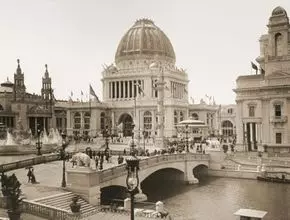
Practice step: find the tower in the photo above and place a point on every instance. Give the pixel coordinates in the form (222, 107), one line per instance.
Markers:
(46, 91)
(278, 30)
(19, 87)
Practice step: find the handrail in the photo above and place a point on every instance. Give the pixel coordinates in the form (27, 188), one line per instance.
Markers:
(28, 162)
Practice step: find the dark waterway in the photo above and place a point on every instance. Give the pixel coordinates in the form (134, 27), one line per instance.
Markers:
(219, 198)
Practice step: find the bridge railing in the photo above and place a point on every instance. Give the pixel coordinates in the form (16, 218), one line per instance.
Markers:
(28, 162)
(120, 170)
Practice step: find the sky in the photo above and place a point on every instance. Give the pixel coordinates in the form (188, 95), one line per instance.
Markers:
(214, 41)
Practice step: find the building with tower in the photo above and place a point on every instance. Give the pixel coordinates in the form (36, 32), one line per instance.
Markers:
(263, 100)
(29, 111)
(144, 94)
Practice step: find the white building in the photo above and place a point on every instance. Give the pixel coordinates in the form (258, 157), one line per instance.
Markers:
(142, 87)
(263, 100)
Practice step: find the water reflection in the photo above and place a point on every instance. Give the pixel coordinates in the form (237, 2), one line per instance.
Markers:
(219, 198)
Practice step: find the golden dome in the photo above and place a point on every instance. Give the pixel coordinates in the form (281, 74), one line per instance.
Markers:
(144, 40)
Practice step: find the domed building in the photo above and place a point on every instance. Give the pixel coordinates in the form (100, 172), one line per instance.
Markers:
(144, 94)
(145, 77)
(142, 87)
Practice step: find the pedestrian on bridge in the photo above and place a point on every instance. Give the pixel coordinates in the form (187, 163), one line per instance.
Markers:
(97, 161)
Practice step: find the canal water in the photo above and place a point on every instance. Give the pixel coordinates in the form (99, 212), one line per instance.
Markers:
(218, 198)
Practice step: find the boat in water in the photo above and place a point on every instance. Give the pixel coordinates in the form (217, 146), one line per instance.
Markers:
(275, 177)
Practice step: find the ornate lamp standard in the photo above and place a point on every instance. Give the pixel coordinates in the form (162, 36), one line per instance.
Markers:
(186, 137)
(38, 143)
(132, 179)
(132, 144)
(144, 132)
(106, 133)
(63, 157)
(160, 100)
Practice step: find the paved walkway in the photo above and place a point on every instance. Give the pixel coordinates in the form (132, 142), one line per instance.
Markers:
(49, 177)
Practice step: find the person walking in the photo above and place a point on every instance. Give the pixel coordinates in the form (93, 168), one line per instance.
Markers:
(29, 174)
(96, 161)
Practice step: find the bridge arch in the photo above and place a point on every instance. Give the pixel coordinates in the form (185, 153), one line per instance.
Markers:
(113, 192)
(200, 171)
(144, 174)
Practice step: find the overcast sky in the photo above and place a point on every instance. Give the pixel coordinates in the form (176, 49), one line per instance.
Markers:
(213, 40)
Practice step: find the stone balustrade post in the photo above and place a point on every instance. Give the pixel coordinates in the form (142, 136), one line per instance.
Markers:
(127, 204)
(159, 206)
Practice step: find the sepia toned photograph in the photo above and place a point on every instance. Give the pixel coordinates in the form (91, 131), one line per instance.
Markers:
(130, 109)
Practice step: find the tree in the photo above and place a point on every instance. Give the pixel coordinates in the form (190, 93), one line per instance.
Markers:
(11, 190)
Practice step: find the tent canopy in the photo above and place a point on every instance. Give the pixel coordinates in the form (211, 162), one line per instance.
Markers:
(192, 123)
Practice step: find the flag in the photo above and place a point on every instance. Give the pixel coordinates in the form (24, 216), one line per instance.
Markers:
(82, 93)
(254, 66)
(92, 92)
(71, 93)
(262, 71)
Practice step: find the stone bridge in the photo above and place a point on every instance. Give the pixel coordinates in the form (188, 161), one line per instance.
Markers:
(88, 183)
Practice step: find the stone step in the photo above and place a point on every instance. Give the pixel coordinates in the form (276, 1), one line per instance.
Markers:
(64, 200)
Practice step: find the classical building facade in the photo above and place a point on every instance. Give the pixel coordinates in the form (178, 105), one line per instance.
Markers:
(263, 100)
(142, 87)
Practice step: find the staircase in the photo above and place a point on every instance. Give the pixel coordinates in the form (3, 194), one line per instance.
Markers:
(63, 200)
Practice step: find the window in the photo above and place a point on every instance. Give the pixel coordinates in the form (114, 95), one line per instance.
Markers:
(194, 116)
(230, 111)
(87, 118)
(278, 138)
(103, 120)
(227, 128)
(147, 120)
(1, 108)
(278, 112)
(278, 44)
(77, 120)
(251, 111)
(175, 117)
(181, 116)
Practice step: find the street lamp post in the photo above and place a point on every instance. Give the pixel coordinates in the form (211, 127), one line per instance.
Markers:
(38, 143)
(160, 102)
(186, 136)
(63, 157)
(132, 180)
(107, 137)
(144, 132)
(132, 147)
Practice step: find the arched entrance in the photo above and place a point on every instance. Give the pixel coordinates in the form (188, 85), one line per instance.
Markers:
(126, 120)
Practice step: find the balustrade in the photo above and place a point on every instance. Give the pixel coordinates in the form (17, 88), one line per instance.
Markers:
(28, 162)
(120, 170)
